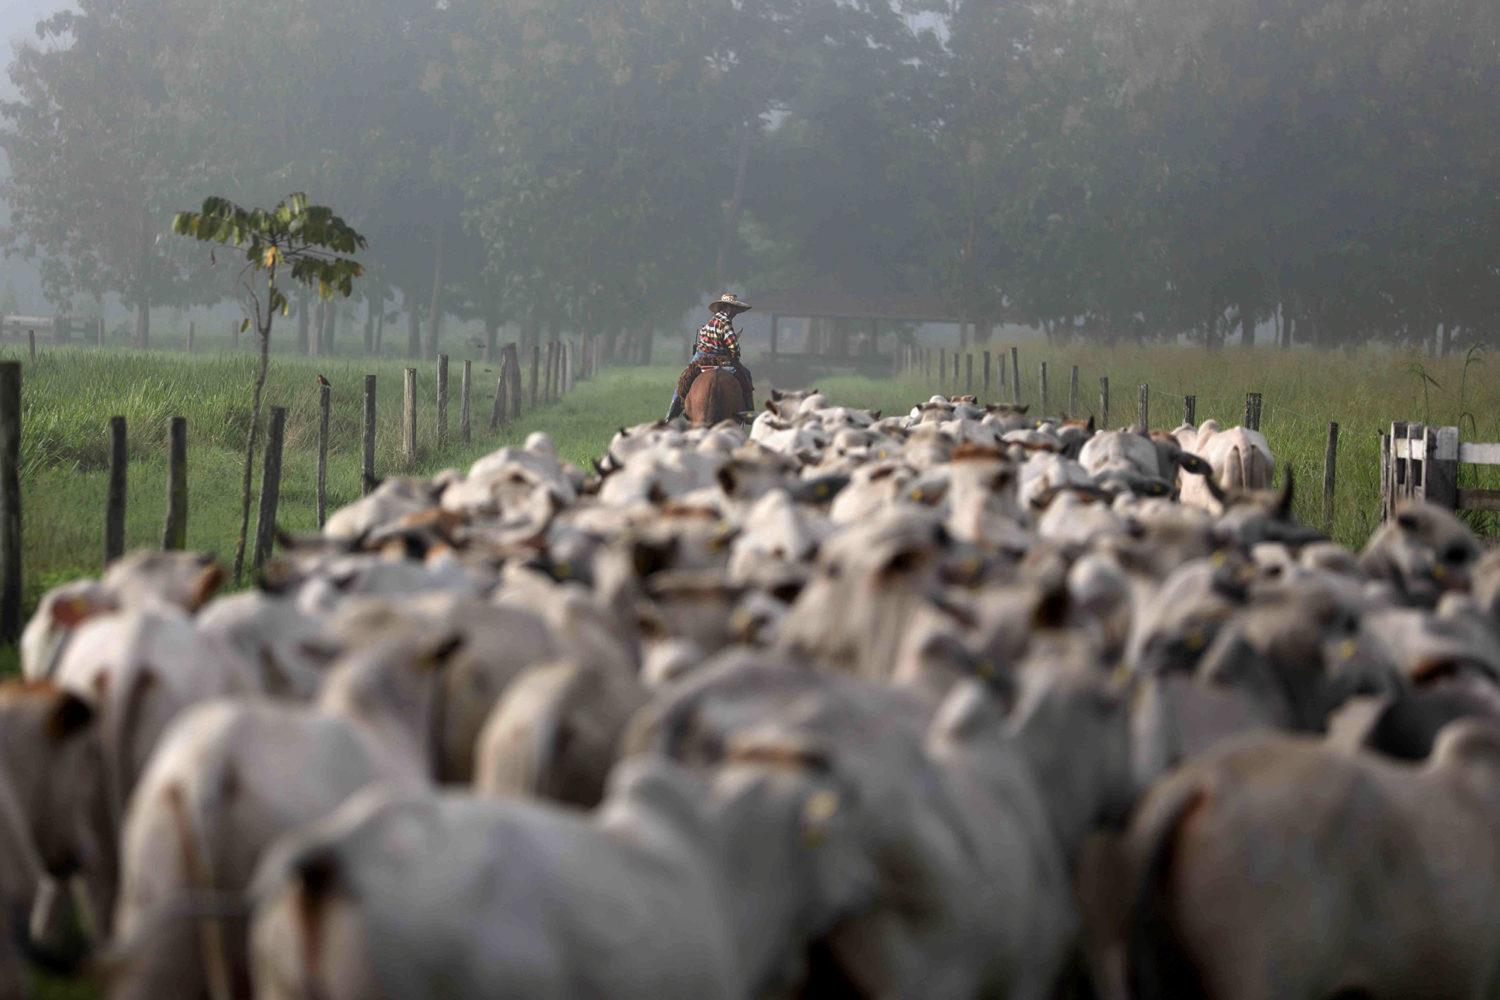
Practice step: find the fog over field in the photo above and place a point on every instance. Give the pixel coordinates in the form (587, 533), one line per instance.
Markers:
(1319, 172)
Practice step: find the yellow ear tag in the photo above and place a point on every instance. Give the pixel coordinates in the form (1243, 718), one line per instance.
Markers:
(917, 495)
(1439, 572)
(822, 491)
(1347, 649)
(817, 811)
(562, 570)
(1195, 640)
(1218, 558)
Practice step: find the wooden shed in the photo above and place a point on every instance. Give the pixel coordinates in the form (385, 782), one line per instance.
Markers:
(839, 332)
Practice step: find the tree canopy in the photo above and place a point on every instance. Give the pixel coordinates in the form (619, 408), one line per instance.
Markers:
(1100, 168)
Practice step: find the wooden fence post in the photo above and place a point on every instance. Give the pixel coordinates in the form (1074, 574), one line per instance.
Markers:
(270, 489)
(1015, 375)
(464, 432)
(1440, 468)
(1190, 410)
(1042, 386)
(114, 502)
(31, 344)
(536, 364)
(1143, 409)
(986, 374)
(566, 368)
(442, 401)
(1073, 394)
(192, 337)
(409, 416)
(174, 532)
(1104, 403)
(514, 395)
(1330, 471)
(548, 360)
(942, 367)
(10, 502)
(367, 442)
(969, 374)
(500, 411)
(1252, 410)
(555, 391)
(324, 397)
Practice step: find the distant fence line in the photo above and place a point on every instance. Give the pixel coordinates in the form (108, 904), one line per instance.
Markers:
(552, 376)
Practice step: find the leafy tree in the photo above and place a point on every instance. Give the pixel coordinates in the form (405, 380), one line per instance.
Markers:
(98, 148)
(293, 243)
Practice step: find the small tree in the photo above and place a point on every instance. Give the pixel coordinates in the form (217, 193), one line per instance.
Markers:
(306, 241)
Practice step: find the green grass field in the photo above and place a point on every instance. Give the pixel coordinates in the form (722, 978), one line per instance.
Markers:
(69, 394)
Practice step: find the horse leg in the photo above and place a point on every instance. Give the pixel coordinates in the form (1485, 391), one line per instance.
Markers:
(747, 386)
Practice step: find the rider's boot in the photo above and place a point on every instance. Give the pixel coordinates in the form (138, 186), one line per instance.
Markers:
(675, 409)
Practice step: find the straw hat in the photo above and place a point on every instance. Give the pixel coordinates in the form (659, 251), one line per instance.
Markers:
(729, 301)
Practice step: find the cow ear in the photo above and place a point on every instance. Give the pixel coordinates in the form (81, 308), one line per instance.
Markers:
(1284, 500)
(875, 414)
(69, 716)
(728, 481)
(70, 612)
(1091, 423)
(1197, 466)
(205, 585)
(437, 655)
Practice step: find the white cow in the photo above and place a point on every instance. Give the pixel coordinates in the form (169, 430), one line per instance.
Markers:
(675, 889)
(228, 778)
(1241, 460)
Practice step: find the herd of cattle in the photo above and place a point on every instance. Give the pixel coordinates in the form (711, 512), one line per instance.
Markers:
(956, 703)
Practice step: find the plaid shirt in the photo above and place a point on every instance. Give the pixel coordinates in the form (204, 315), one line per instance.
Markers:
(717, 336)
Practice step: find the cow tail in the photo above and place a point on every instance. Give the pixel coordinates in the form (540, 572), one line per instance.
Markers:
(1156, 964)
(195, 862)
(318, 875)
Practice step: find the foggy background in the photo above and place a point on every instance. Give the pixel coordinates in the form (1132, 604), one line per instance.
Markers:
(1322, 171)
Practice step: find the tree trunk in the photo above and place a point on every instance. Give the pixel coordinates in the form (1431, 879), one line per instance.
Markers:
(648, 335)
(413, 329)
(143, 325)
(611, 341)
(1288, 332)
(736, 202)
(435, 304)
(319, 324)
(380, 328)
(1247, 327)
(264, 330)
(302, 321)
(370, 308)
(491, 337)
(1447, 329)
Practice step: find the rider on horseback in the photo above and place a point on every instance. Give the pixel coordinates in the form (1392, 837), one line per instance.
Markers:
(718, 345)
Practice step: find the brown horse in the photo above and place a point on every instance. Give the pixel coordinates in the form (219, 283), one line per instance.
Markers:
(715, 395)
